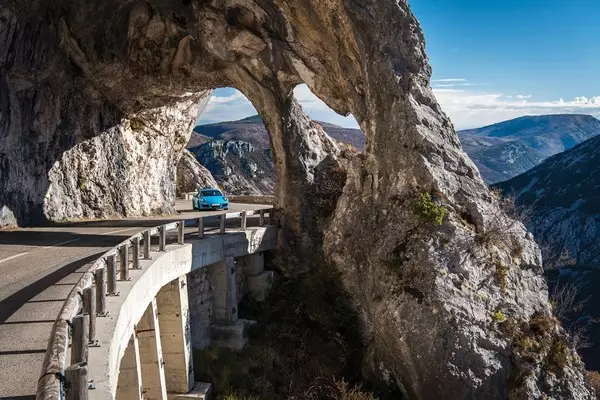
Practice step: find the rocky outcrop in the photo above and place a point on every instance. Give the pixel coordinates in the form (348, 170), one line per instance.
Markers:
(450, 308)
(191, 175)
(128, 170)
(67, 150)
(559, 197)
(238, 167)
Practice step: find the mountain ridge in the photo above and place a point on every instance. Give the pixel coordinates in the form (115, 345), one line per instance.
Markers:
(506, 149)
(252, 130)
(562, 193)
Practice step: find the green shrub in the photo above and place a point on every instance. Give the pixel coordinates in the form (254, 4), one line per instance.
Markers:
(499, 317)
(426, 208)
(502, 275)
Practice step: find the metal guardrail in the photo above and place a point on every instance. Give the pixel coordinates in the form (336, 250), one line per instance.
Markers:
(68, 379)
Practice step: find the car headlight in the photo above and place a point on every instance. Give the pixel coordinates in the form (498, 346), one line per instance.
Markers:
(225, 198)
(203, 200)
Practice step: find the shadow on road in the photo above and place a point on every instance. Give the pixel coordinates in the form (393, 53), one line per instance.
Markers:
(15, 301)
(66, 235)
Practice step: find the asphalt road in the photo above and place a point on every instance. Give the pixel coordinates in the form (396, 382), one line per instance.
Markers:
(38, 268)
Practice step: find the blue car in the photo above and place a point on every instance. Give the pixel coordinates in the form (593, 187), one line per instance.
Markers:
(210, 199)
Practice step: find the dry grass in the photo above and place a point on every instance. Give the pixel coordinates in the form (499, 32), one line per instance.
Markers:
(499, 227)
(593, 379)
(336, 389)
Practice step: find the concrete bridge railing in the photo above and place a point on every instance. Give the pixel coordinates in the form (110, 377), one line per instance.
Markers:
(139, 273)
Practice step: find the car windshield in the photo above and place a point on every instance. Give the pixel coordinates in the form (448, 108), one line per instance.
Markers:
(211, 193)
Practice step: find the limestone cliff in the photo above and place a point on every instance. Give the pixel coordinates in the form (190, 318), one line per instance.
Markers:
(128, 170)
(449, 289)
(67, 151)
(238, 166)
(191, 175)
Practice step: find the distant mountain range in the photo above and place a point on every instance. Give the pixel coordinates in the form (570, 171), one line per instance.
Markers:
(501, 151)
(504, 150)
(253, 131)
(563, 193)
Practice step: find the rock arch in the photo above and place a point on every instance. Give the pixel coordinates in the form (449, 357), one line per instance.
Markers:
(75, 69)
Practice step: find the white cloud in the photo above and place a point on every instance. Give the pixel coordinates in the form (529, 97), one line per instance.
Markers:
(226, 108)
(469, 109)
(449, 80)
(449, 85)
(466, 108)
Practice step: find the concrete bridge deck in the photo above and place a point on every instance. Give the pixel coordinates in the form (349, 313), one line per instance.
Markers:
(39, 267)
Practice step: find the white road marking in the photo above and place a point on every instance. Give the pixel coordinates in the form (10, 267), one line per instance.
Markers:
(120, 230)
(12, 257)
(60, 244)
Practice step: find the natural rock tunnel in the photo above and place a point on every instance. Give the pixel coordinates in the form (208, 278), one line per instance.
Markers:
(75, 72)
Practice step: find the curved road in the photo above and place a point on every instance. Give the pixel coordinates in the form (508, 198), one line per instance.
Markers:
(38, 268)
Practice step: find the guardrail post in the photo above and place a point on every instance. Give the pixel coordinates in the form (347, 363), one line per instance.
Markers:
(162, 238)
(200, 227)
(76, 382)
(244, 217)
(111, 269)
(124, 256)
(89, 308)
(261, 218)
(147, 240)
(135, 253)
(271, 217)
(80, 338)
(222, 223)
(180, 231)
(100, 278)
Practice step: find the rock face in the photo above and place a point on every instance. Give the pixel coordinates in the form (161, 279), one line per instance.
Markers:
(191, 175)
(238, 167)
(449, 311)
(504, 150)
(67, 151)
(128, 170)
(562, 193)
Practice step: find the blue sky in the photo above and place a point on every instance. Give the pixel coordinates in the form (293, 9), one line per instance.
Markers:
(492, 60)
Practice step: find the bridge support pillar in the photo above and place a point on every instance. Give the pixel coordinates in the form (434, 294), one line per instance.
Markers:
(174, 321)
(227, 330)
(258, 282)
(129, 386)
(153, 370)
(222, 280)
(200, 296)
